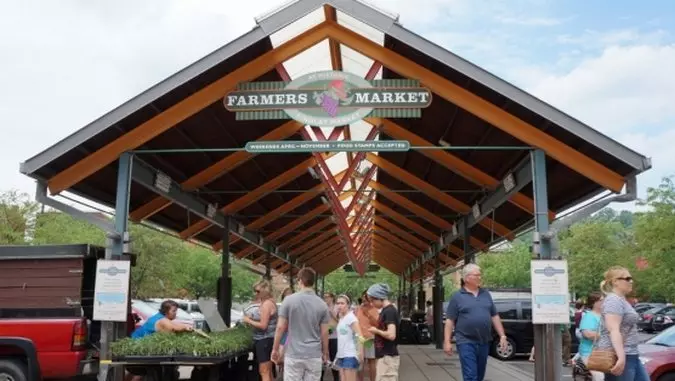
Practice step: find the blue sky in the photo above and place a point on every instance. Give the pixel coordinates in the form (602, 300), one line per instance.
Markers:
(607, 63)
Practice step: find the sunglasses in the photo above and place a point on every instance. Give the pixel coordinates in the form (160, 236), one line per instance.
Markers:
(626, 278)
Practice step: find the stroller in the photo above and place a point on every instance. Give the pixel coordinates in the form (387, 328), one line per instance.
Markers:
(580, 372)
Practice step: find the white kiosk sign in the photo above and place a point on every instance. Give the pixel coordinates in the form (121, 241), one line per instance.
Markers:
(550, 292)
(112, 290)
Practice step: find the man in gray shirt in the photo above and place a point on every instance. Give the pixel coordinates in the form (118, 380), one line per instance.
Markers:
(305, 316)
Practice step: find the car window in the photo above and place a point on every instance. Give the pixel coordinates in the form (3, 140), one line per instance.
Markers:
(507, 310)
(194, 308)
(527, 310)
(653, 311)
(665, 338)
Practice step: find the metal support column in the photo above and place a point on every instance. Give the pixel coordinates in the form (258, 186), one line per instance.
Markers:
(437, 300)
(291, 281)
(421, 296)
(116, 246)
(411, 298)
(468, 255)
(316, 283)
(399, 292)
(547, 337)
(404, 306)
(268, 267)
(225, 284)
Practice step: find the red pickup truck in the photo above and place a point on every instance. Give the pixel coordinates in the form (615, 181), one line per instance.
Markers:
(46, 303)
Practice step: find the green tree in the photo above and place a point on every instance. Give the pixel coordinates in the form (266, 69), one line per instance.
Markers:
(350, 283)
(592, 247)
(16, 213)
(655, 242)
(507, 269)
(54, 227)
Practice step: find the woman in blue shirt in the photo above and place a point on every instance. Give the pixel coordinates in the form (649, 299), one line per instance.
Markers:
(163, 321)
(590, 330)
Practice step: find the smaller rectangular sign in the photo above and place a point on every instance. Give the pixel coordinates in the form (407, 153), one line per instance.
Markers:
(550, 292)
(327, 146)
(111, 290)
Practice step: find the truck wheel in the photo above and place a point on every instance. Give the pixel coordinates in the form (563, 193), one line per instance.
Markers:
(13, 370)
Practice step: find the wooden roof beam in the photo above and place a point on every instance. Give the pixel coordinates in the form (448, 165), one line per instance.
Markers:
(411, 206)
(214, 171)
(480, 107)
(305, 234)
(435, 193)
(184, 109)
(292, 226)
(453, 163)
(282, 210)
(252, 196)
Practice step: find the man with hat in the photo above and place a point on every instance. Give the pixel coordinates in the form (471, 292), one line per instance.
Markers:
(386, 349)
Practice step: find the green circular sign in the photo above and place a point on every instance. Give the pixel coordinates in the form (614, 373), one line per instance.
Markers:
(332, 94)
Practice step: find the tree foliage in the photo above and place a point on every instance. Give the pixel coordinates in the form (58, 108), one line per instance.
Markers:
(643, 242)
(165, 265)
(350, 283)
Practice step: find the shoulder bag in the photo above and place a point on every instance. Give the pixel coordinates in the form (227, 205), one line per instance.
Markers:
(601, 360)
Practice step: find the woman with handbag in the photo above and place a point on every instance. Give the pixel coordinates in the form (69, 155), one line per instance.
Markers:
(616, 352)
(589, 327)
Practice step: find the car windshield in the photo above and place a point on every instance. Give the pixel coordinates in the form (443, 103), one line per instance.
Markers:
(665, 338)
(653, 310)
(144, 308)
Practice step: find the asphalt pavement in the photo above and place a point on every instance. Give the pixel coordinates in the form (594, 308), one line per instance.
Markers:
(523, 364)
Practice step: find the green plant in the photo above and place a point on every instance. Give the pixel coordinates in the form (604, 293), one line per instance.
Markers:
(188, 344)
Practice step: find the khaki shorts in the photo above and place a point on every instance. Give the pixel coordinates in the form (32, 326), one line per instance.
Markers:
(387, 368)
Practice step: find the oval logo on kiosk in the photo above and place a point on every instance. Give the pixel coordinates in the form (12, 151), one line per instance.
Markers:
(328, 99)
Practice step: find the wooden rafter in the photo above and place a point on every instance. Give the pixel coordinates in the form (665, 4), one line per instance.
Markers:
(397, 241)
(453, 163)
(214, 171)
(418, 210)
(282, 210)
(480, 107)
(252, 196)
(305, 234)
(435, 193)
(391, 227)
(273, 237)
(186, 108)
(333, 241)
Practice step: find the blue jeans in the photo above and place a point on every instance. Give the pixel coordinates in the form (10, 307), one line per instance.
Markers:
(633, 371)
(473, 357)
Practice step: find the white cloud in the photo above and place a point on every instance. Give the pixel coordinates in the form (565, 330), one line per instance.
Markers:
(529, 21)
(624, 89)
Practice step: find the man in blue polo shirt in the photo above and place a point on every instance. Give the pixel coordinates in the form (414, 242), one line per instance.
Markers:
(471, 313)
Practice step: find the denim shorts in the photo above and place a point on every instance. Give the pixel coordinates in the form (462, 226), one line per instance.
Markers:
(347, 363)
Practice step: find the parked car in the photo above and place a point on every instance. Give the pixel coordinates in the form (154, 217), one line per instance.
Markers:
(516, 315)
(658, 356)
(645, 320)
(143, 309)
(663, 319)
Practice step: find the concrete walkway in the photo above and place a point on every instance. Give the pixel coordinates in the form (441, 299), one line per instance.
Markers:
(426, 363)
(422, 363)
